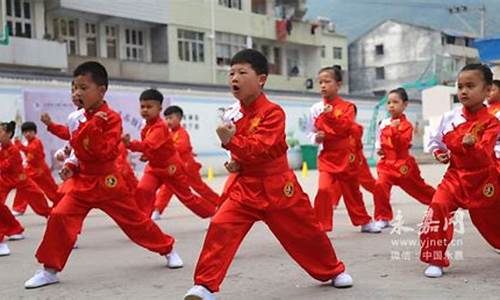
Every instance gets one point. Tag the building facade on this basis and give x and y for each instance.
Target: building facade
(171, 41)
(393, 53)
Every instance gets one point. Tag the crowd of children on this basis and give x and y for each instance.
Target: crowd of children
(96, 174)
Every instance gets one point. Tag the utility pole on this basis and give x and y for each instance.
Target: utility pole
(460, 9)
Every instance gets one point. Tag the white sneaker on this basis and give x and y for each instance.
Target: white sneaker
(199, 292)
(343, 280)
(16, 213)
(155, 216)
(370, 228)
(382, 224)
(174, 261)
(16, 237)
(433, 271)
(4, 249)
(41, 278)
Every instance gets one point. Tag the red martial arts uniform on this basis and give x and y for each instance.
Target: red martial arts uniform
(265, 189)
(183, 146)
(397, 167)
(38, 170)
(365, 178)
(8, 223)
(164, 167)
(338, 162)
(97, 183)
(471, 182)
(13, 176)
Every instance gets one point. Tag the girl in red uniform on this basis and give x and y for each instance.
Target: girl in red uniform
(331, 124)
(13, 175)
(464, 139)
(397, 166)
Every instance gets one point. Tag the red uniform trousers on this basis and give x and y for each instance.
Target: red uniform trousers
(366, 181)
(165, 194)
(437, 229)
(329, 183)
(66, 220)
(27, 189)
(407, 177)
(48, 186)
(8, 223)
(291, 220)
(176, 180)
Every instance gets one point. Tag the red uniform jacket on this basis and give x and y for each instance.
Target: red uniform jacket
(35, 158)
(337, 155)
(183, 146)
(11, 165)
(96, 145)
(157, 145)
(395, 143)
(494, 108)
(472, 176)
(259, 146)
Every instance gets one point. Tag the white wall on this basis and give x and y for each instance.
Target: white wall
(435, 102)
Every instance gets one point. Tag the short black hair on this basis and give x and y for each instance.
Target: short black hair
(173, 109)
(97, 72)
(401, 93)
(497, 83)
(9, 127)
(483, 69)
(254, 58)
(28, 126)
(151, 94)
(335, 71)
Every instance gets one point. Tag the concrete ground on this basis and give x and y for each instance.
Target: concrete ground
(384, 266)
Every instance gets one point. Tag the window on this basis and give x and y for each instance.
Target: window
(111, 41)
(228, 45)
(190, 45)
(450, 40)
(65, 30)
(323, 51)
(134, 44)
(379, 49)
(275, 67)
(259, 7)
(380, 73)
(266, 51)
(18, 16)
(337, 53)
(236, 4)
(91, 39)
(293, 62)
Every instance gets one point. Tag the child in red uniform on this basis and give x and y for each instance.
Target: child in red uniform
(331, 124)
(13, 176)
(10, 227)
(97, 183)
(265, 189)
(465, 139)
(397, 166)
(164, 163)
(173, 115)
(36, 167)
(365, 178)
